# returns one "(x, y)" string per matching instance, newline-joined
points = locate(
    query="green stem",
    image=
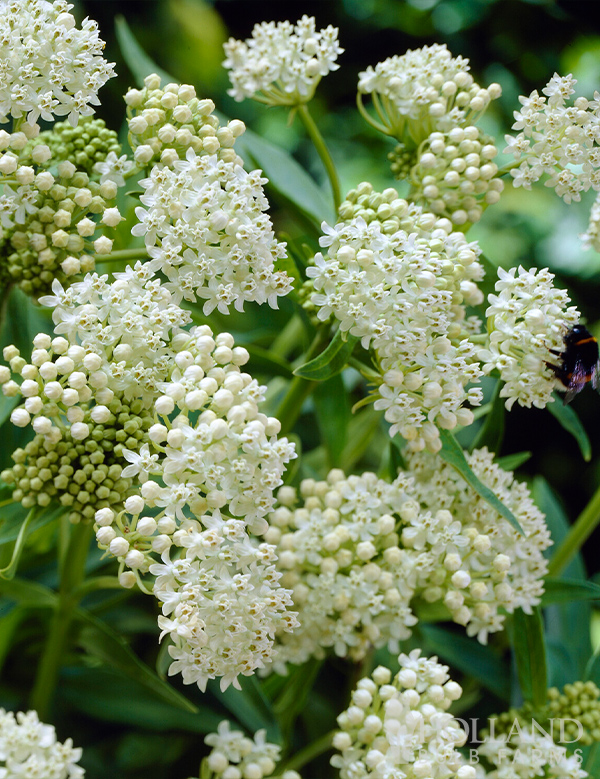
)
(9, 571)
(97, 583)
(122, 254)
(508, 167)
(319, 144)
(584, 526)
(288, 338)
(299, 389)
(309, 753)
(72, 575)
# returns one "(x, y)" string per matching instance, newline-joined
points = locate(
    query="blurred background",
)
(125, 729)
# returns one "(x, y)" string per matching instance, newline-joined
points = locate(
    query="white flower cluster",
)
(206, 228)
(469, 556)
(281, 64)
(404, 295)
(526, 321)
(422, 91)
(559, 141)
(455, 175)
(591, 238)
(234, 755)
(529, 754)
(339, 551)
(29, 748)
(50, 210)
(400, 727)
(164, 122)
(48, 67)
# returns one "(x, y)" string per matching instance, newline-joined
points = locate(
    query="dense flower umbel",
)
(526, 320)
(591, 238)
(399, 726)
(48, 67)
(423, 91)
(164, 122)
(404, 295)
(558, 141)
(455, 176)
(234, 755)
(51, 209)
(281, 64)
(529, 754)
(472, 558)
(28, 748)
(206, 228)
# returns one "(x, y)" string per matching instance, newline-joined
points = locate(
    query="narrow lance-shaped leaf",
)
(559, 590)
(138, 62)
(530, 656)
(331, 361)
(491, 432)
(569, 420)
(452, 453)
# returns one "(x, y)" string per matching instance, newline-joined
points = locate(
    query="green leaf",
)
(513, 461)
(530, 656)
(397, 461)
(470, 657)
(138, 62)
(6, 407)
(28, 593)
(250, 706)
(332, 408)
(559, 590)
(286, 177)
(292, 699)
(99, 640)
(331, 361)
(25, 528)
(265, 362)
(569, 420)
(14, 516)
(452, 453)
(491, 432)
(361, 430)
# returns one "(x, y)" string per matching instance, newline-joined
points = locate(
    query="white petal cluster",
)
(526, 321)
(529, 754)
(164, 122)
(557, 141)
(129, 323)
(281, 64)
(340, 555)
(399, 726)
(206, 228)
(48, 67)
(51, 209)
(472, 558)
(424, 90)
(404, 295)
(234, 755)
(29, 748)
(591, 238)
(455, 175)
(221, 601)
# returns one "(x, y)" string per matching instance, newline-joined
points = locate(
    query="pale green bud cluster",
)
(85, 145)
(401, 161)
(455, 175)
(165, 122)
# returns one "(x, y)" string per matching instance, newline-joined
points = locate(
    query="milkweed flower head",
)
(591, 238)
(404, 293)
(400, 726)
(166, 121)
(48, 66)
(526, 322)
(29, 747)
(558, 141)
(206, 228)
(282, 64)
(422, 91)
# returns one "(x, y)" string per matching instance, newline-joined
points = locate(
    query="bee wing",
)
(577, 381)
(596, 376)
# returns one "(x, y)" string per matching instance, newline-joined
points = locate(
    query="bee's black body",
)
(579, 362)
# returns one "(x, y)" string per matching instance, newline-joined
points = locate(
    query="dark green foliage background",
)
(128, 722)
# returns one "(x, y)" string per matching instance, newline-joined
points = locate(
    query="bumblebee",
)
(579, 362)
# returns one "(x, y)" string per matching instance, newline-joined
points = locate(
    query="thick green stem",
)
(322, 150)
(584, 526)
(72, 575)
(299, 389)
(122, 254)
(309, 753)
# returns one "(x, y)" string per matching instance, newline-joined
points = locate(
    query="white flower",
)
(206, 228)
(28, 747)
(281, 64)
(253, 758)
(591, 238)
(48, 67)
(527, 321)
(114, 168)
(424, 90)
